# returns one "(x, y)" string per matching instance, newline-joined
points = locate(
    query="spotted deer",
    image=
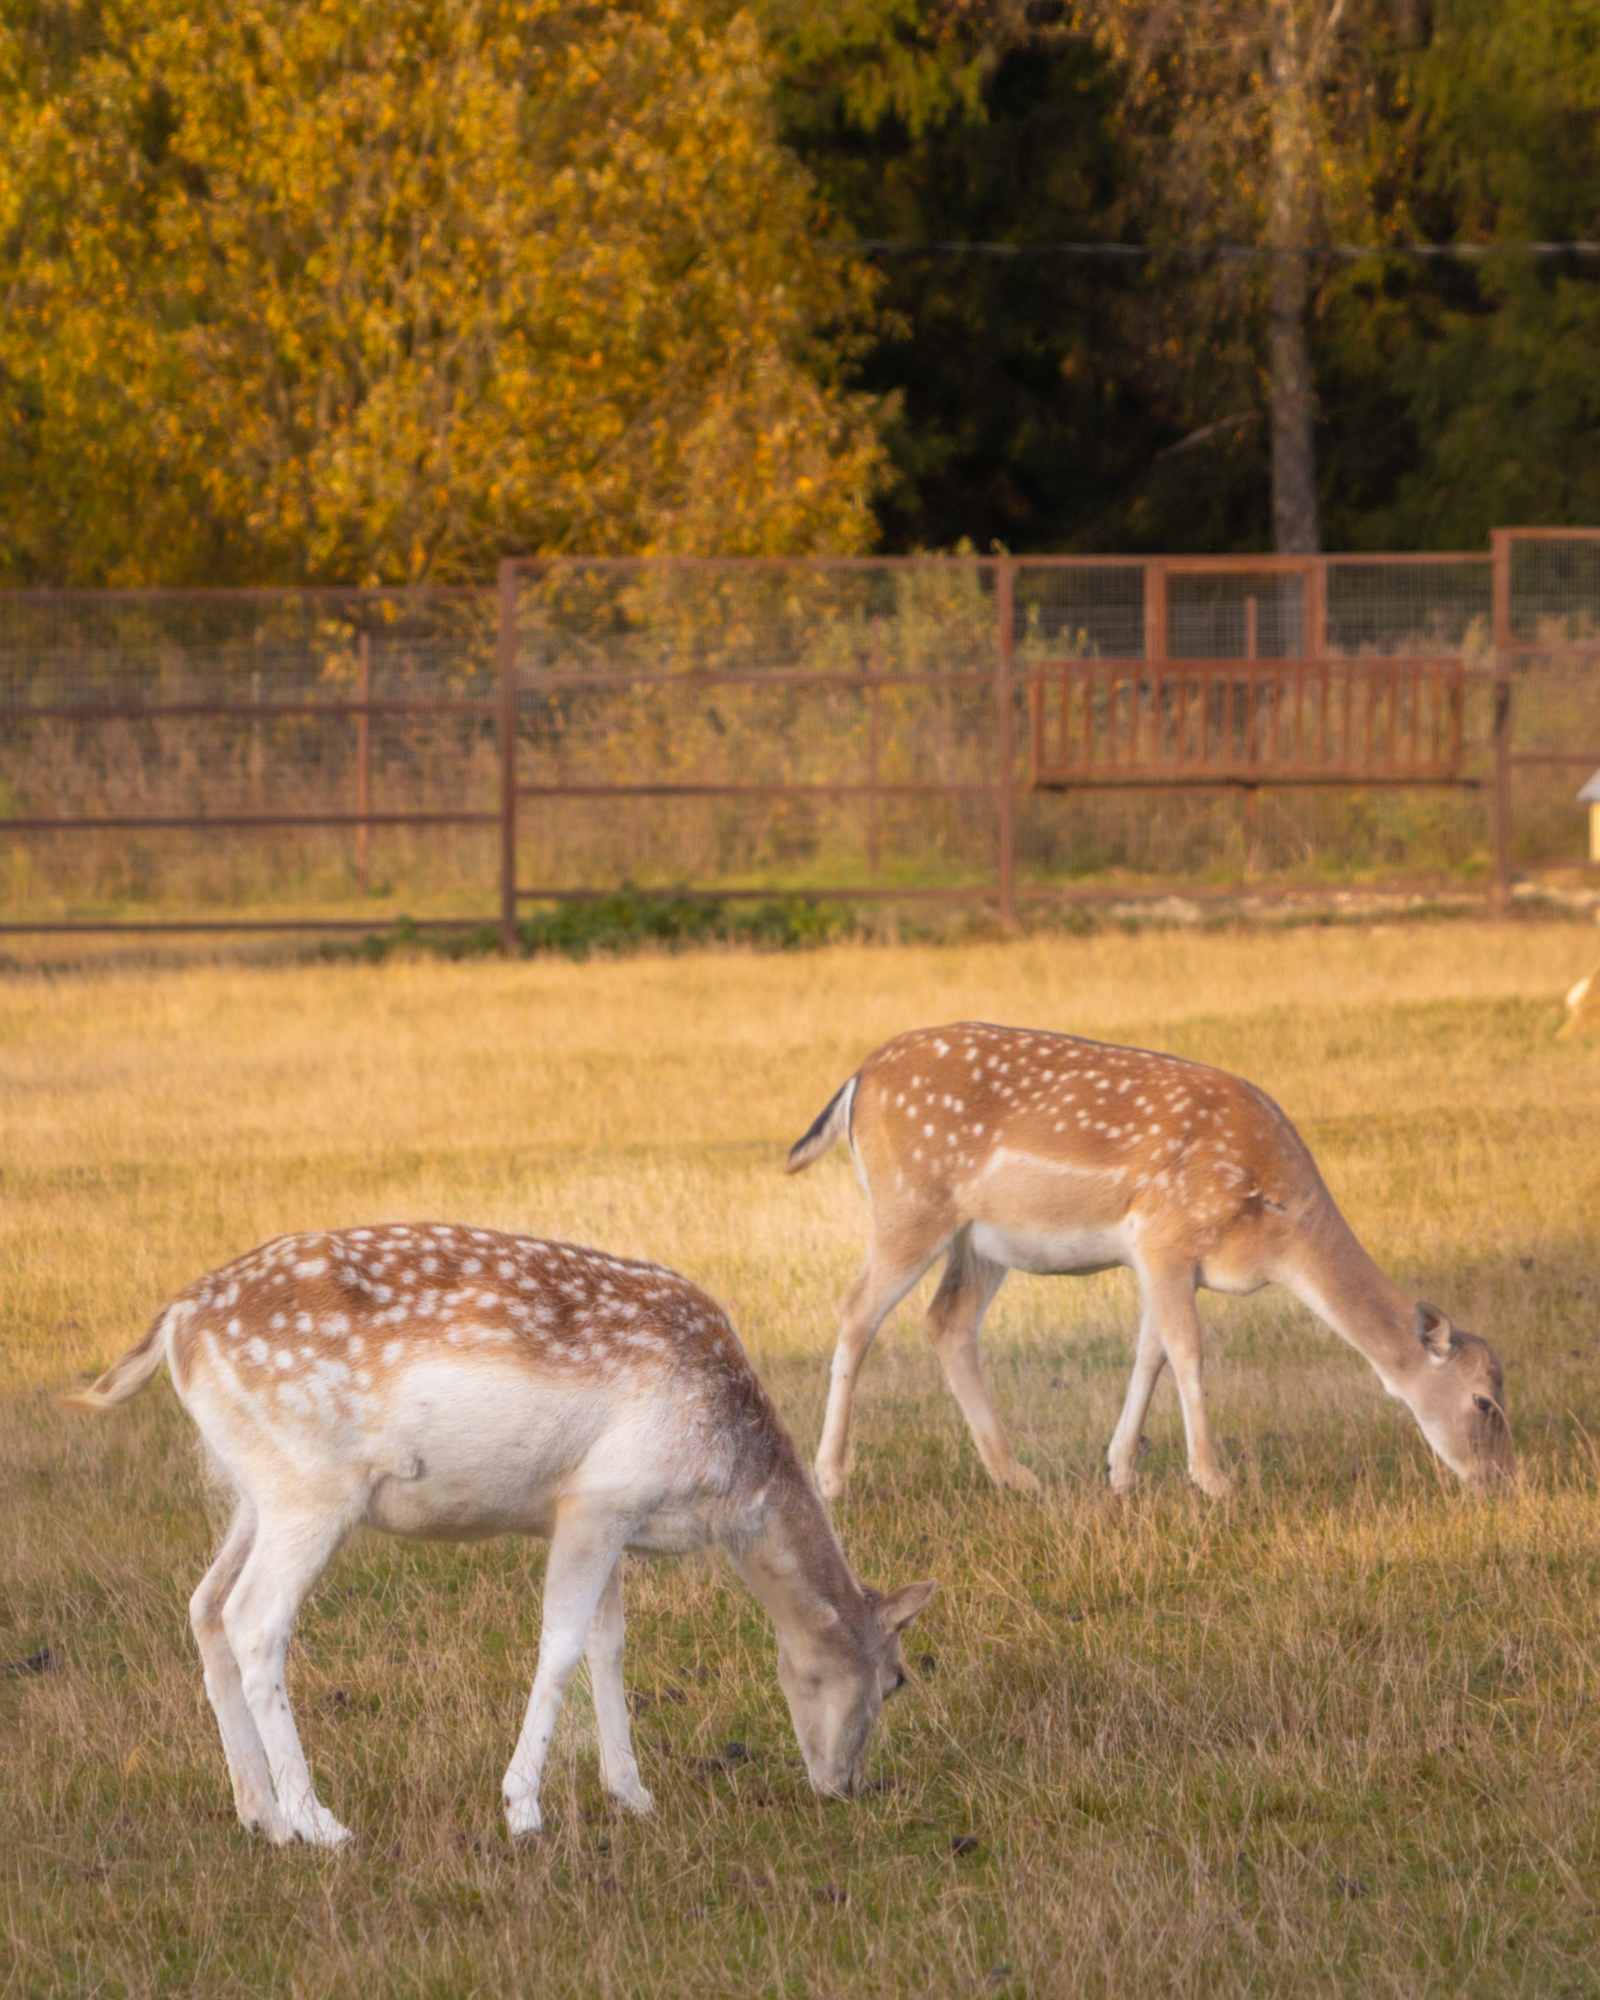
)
(1008, 1149)
(458, 1383)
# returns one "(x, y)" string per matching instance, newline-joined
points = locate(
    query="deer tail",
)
(124, 1378)
(832, 1122)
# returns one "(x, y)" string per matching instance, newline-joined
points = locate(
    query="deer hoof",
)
(271, 1827)
(319, 1828)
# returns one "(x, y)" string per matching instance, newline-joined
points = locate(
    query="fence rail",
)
(950, 729)
(1248, 722)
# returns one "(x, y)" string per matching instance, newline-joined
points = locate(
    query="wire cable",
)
(1200, 253)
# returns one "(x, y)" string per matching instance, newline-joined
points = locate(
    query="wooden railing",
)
(1364, 721)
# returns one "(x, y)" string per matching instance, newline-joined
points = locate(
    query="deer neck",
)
(793, 1564)
(1341, 1284)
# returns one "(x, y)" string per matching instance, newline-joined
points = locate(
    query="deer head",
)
(836, 1684)
(1459, 1399)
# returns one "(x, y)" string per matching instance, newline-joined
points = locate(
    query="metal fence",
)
(967, 729)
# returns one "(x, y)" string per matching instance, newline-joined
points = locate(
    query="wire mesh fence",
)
(1548, 644)
(982, 729)
(169, 752)
(757, 726)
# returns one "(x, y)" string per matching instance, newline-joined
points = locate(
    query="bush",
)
(626, 921)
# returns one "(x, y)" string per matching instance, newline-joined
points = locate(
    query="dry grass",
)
(1339, 1733)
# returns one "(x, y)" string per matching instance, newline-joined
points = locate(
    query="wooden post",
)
(874, 667)
(1316, 609)
(507, 659)
(1500, 796)
(1252, 729)
(1004, 745)
(364, 768)
(1155, 611)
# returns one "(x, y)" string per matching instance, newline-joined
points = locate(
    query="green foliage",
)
(625, 922)
(628, 920)
(376, 290)
(1015, 414)
(1053, 405)
(1493, 371)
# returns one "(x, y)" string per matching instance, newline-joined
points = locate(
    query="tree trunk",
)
(1295, 527)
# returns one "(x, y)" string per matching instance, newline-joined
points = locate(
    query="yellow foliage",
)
(382, 289)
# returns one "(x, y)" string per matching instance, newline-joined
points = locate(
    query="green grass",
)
(1341, 1732)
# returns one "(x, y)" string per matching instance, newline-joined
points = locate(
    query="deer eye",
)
(1483, 1403)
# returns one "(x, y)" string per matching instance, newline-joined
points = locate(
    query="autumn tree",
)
(381, 289)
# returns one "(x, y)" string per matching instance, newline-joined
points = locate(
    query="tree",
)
(1498, 366)
(1258, 123)
(1053, 404)
(1013, 411)
(380, 289)
(1127, 397)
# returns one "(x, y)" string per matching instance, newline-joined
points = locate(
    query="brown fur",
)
(1008, 1148)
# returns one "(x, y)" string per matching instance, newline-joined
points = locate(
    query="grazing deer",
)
(1004, 1149)
(458, 1383)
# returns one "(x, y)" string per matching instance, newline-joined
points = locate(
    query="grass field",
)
(1340, 1732)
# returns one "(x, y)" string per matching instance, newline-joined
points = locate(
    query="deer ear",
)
(1434, 1330)
(898, 1609)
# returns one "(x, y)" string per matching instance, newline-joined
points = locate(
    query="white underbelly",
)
(1054, 1252)
(467, 1453)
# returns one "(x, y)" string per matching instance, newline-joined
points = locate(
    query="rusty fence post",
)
(874, 667)
(1500, 795)
(1005, 741)
(507, 662)
(364, 767)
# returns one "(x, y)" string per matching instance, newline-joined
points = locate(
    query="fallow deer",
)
(458, 1383)
(1008, 1149)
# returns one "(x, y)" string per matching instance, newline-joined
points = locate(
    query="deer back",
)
(1019, 1126)
(476, 1372)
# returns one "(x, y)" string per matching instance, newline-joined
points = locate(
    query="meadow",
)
(1340, 1732)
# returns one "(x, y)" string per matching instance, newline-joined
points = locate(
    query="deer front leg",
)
(883, 1283)
(583, 1555)
(1122, 1456)
(1170, 1308)
(955, 1320)
(618, 1771)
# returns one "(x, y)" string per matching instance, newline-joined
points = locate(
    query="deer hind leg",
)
(241, 1740)
(893, 1266)
(583, 1559)
(955, 1320)
(618, 1771)
(1171, 1322)
(287, 1557)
